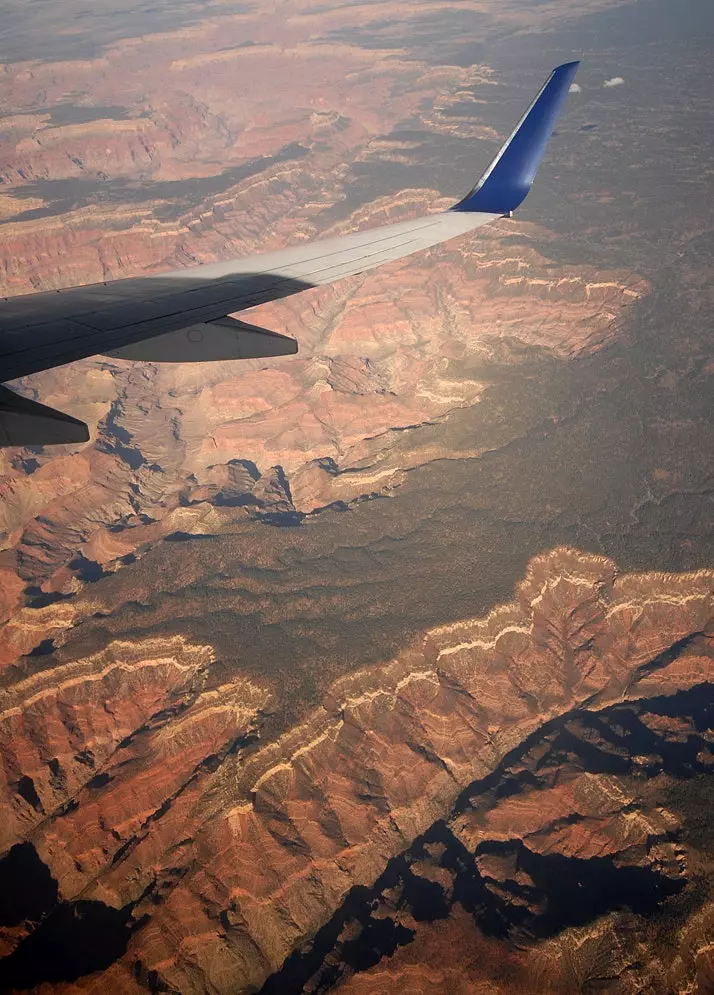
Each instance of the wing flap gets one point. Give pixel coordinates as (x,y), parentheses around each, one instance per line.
(227,338)
(28,423)
(39,331)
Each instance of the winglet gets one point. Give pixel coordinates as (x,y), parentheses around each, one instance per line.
(510,176)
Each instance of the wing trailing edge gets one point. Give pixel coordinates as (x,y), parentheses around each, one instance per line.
(223,339)
(28,423)
(185,315)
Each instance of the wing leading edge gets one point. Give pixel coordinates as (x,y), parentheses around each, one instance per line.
(181,316)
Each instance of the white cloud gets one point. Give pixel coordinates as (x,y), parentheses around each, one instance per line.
(615,81)
(575,88)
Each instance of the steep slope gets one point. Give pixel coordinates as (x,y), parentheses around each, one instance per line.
(473,769)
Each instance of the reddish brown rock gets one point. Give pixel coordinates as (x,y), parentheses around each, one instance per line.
(60,726)
(395,350)
(132,769)
(278,837)
(377,360)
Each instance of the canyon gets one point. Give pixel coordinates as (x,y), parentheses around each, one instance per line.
(549,730)
(385,667)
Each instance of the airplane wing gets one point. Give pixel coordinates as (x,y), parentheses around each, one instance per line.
(184,316)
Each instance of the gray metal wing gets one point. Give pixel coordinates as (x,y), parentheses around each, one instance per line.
(184,315)
(40,331)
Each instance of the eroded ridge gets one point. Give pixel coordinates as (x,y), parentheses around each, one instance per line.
(63,728)
(386,361)
(249,860)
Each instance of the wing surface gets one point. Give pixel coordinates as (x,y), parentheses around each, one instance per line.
(39,331)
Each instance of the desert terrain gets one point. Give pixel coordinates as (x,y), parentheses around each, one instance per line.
(386,667)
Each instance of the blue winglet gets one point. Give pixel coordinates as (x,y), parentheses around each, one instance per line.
(510,176)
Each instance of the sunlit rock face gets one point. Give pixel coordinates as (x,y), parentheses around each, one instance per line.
(384,354)
(385,668)
(228,136)
(497,767)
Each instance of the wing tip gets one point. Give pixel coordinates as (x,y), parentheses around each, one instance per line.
(509,178)
(567,65)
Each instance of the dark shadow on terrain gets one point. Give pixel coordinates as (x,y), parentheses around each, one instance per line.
(61,114)
(565,891)
(184,536)
(43,648)
(283,519)
(74,939)
(114,438)
(63,196)
(88,571)
(37,598)
(27,889)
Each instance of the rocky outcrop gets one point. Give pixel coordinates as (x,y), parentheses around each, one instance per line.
(247,857)
(61,725)
(213,781)
(386,357)
(158,162)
